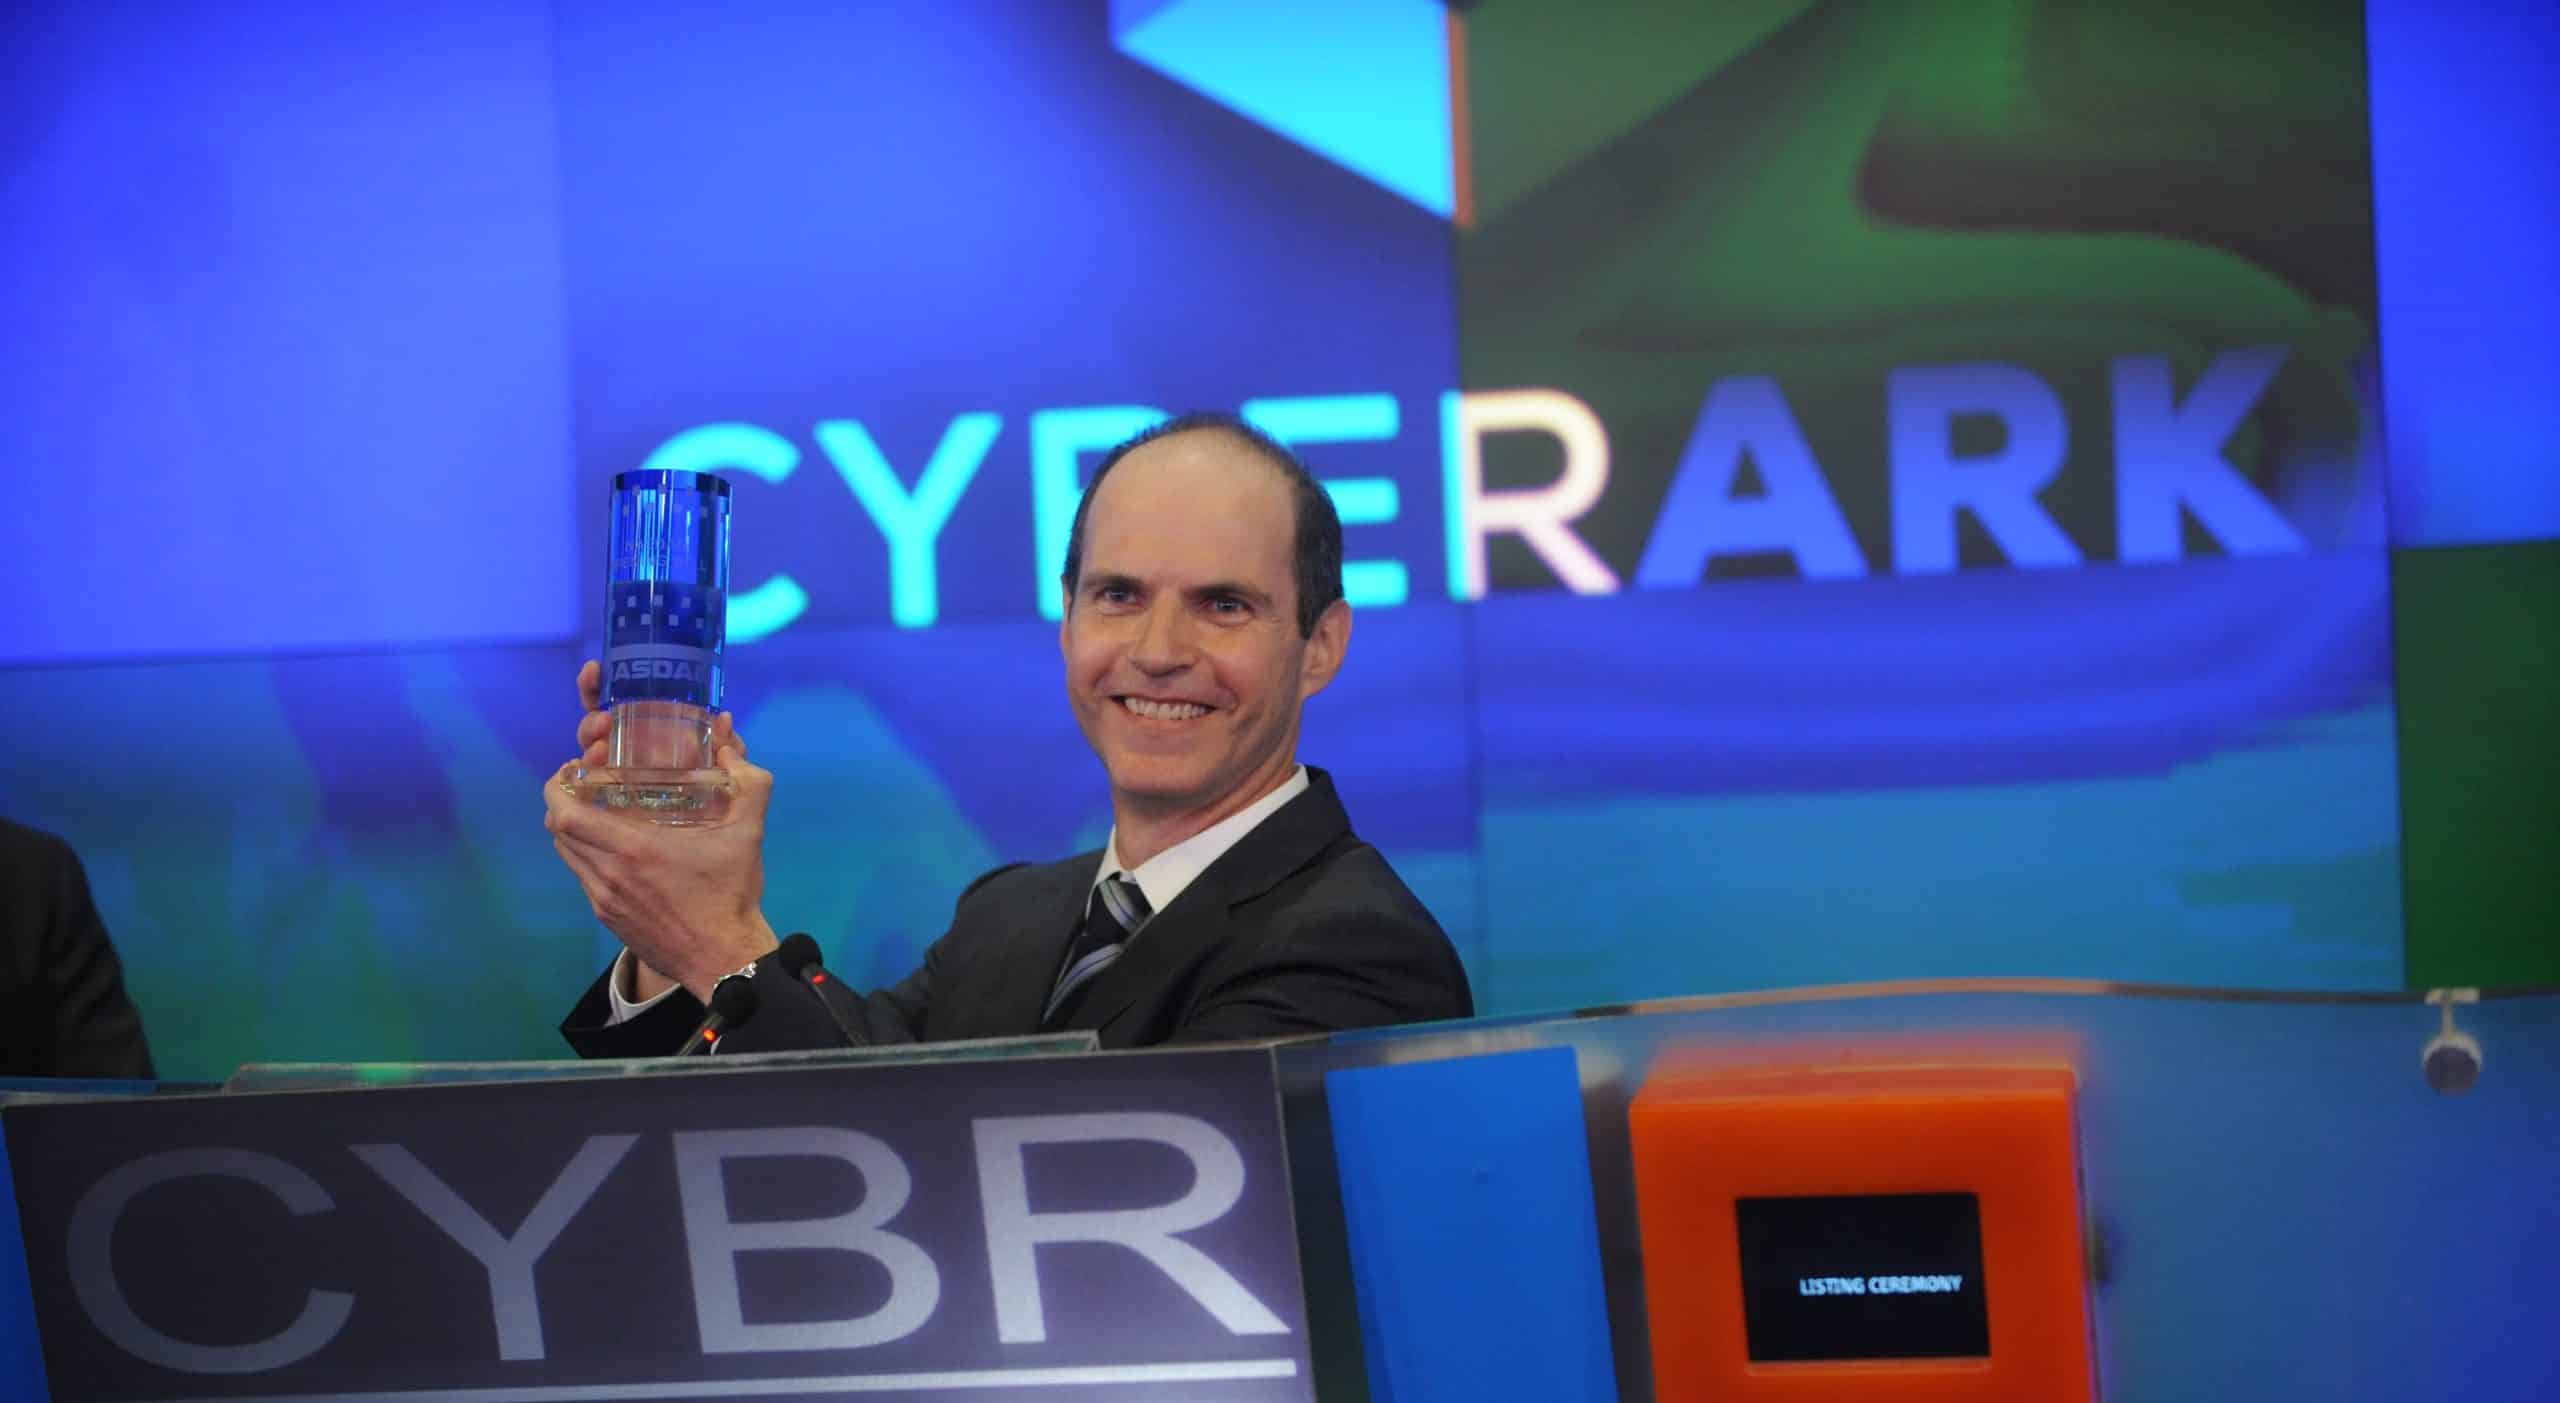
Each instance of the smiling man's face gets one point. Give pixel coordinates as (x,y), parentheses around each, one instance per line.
(1184,663)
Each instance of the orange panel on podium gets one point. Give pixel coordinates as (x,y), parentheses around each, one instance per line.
(1892,1233)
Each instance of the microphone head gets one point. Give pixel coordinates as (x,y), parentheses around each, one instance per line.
(734,1001)
(798,952)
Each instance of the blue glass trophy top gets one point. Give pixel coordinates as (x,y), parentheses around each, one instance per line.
(665,623)
(667,588)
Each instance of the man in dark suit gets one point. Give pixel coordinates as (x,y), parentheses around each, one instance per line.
(63,1010)
(1203,594)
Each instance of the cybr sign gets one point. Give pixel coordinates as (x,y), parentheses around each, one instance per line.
(1083,1226)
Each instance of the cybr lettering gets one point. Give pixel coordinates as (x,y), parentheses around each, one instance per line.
(714,1235)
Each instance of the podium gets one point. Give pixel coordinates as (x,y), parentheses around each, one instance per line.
(2343,1197)
(1913,1191)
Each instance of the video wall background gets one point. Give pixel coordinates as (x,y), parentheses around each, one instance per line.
(1834,491)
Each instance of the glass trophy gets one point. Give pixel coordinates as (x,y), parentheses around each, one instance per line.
(666,618)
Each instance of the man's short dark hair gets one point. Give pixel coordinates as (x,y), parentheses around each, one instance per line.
(1316,538)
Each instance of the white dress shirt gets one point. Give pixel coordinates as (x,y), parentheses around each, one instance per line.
(1162,877)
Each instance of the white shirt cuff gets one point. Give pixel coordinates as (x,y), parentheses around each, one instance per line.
(624,1009)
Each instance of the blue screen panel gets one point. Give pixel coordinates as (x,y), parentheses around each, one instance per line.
(912,268)
(1366,82)
(282,365)
(2466,197)
(1466,1191)
(2181,774)
(332,858)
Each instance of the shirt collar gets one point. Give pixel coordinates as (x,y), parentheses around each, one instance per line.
(1164,876)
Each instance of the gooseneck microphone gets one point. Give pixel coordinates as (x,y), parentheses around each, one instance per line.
(799,957)
(733,1002)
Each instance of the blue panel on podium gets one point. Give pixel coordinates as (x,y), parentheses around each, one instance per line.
(21,1358)
(1466,1189)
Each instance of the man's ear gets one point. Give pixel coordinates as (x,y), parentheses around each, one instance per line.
(1066,612)
(1325,648)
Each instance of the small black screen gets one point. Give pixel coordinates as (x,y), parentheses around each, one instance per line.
(1875,1276)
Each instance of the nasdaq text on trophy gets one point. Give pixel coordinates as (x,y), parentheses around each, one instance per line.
(665,623)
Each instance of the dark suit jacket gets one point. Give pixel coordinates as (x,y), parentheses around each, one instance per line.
(1298,928)
(63,1010)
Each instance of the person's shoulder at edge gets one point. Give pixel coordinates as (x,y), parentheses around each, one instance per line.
(86,1024)
(18,842)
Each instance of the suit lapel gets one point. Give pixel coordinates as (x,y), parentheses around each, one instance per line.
(1009,998)
(1201,919)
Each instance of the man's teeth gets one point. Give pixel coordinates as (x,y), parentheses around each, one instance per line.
(1164,711)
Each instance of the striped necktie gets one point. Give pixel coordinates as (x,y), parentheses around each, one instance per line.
(1114,913)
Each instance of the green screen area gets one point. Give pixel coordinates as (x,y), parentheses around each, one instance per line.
(2478,651)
